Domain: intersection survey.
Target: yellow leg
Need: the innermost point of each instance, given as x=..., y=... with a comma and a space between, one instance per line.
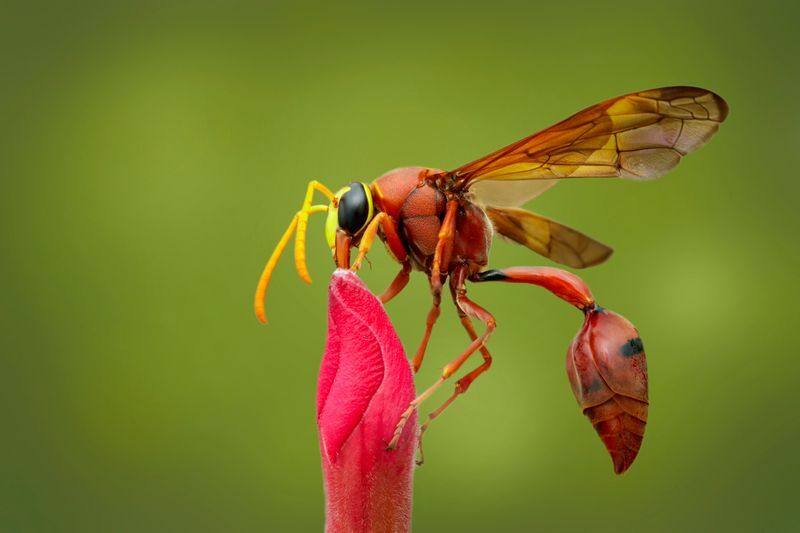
x=302, y=224
x=367, y=239
x=263, y=282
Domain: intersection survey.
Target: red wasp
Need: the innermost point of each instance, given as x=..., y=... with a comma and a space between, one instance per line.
x=442, y=223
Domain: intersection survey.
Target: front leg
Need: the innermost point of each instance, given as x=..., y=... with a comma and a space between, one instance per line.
x=398, y=284
x=397, y=249
x=370, y=232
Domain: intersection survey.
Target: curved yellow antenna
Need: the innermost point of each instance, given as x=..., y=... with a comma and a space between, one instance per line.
x=263, y=281
x=261, y=289
x=302, y=224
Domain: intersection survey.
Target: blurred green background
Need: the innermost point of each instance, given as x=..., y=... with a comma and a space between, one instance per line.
x=152, y=154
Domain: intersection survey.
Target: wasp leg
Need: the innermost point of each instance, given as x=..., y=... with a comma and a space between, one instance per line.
x=266, y=275
x=342, y=249
x=471, y=309
x=367, y=239
x=462, y=384
x=430, y=321
x=396, y=248
x=563, y=284
x=302, y=224
x=398, y=251
x=444, y=244
x=441, y=262
x=398, y=284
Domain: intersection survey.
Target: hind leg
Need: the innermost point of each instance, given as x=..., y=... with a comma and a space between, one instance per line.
x=563, y=284
x=462, y=384
x=470, y=309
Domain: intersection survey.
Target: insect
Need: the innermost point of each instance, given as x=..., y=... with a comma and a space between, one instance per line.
x=442, y=224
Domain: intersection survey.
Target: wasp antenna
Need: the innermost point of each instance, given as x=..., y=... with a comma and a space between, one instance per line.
x=302, y=224
x=299, y=222
x=300, y=240
x=261, y=289
x=300, y=249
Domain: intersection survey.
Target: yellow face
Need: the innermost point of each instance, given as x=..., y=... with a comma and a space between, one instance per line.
x=350, y=211
x=332, y=222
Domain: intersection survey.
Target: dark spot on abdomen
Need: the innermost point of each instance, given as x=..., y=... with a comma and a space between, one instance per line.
x=632, y=347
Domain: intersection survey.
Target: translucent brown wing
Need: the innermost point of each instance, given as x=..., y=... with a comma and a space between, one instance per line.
x=639, y=136
x=547, y=237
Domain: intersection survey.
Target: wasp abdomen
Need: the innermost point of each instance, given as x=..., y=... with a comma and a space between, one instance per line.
x=607, y=370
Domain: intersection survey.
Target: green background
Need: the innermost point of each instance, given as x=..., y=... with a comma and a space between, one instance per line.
x=151, y=156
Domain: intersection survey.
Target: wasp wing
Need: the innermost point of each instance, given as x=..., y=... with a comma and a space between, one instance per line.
x=547, y=237
x=638, y=136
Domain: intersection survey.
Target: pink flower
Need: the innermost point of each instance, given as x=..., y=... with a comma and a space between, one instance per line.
x=365, y=384
x=607, y=369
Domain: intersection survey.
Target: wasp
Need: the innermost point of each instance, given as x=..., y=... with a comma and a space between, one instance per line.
x=442, y=223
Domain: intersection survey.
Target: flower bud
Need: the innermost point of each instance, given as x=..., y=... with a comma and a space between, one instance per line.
x=365, y=384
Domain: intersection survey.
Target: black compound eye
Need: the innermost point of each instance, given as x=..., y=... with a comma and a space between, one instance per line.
x=354, y=208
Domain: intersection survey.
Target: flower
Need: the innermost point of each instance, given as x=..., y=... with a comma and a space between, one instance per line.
x=365, y=384
x=607, y=369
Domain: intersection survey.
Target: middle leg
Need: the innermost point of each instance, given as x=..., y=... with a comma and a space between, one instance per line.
x=440, y=265
x=430, y=321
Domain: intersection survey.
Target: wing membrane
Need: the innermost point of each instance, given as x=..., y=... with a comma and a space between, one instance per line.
x=548, y=238
x=637, y=136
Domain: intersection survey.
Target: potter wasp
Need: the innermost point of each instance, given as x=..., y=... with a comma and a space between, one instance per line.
x=442, y=224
